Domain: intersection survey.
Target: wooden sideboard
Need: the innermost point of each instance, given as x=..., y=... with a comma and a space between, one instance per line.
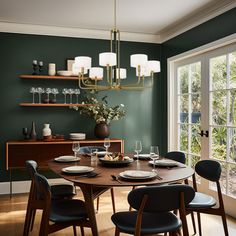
x=17, y=152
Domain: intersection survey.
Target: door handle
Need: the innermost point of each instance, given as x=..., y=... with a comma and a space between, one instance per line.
x=204, y=134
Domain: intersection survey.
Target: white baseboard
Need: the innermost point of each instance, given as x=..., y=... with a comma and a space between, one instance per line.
x=23, y=186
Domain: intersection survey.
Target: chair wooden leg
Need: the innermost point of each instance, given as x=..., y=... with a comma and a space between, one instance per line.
x=74, y=230
x=225, y=224
x=193, y=222
x=82, y=231
x=117, y=232
x=32, y=219
x=199, y=224
x=27, y=222
x=113, y=200
x=97, y=208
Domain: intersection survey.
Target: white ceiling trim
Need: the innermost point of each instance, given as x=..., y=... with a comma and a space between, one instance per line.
x=74, y=32
x=196, y=19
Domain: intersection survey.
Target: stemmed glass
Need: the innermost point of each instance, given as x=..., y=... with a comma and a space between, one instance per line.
x=75, y=148
x=55, y=92
x=65, y=92
x=71, y=92
x=40, y=91
x=154, y=155
x=33, y=91
x=107, y=144
x=138, y=148
x=77, y=92
x=48, y=91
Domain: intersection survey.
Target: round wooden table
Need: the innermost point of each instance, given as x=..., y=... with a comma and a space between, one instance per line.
x=93, y=187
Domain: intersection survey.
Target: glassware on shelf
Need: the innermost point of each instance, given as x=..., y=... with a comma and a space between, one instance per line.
x=138, y=148
x=48, y=91
x=33, y=91
x=40, y=91
x=71, y=92
x=75, y=148
x=40, y=67
x=55, y=92
x=35, y=67
x=77, y=93
x=65, y=92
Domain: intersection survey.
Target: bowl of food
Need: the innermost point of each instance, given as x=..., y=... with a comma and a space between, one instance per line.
x=116, y=159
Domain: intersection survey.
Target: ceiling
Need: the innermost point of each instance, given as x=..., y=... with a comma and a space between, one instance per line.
x=159, y=19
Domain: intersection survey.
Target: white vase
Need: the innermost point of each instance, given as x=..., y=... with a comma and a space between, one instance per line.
x=52, y=69
x=46, y=130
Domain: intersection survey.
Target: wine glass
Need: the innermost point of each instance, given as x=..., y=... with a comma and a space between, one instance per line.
x=75, y=148
x=138, y=148
x=55, y=92
x=48, y=91
x=33, y=91
x=154, y=155
x=77, y=92
x=65, y=92
x=71, y=92
x=40, y=91
x=25, y=133
x=107, y=144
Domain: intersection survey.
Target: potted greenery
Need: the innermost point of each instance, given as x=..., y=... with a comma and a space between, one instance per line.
x=102, y=113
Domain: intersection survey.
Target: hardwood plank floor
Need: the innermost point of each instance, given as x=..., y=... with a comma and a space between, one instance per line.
x=12, y=216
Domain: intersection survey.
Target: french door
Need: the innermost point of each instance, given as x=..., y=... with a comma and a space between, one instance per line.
x=205, y=113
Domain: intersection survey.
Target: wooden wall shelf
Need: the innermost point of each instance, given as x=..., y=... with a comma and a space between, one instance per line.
x=53, y=105
x=49, y=77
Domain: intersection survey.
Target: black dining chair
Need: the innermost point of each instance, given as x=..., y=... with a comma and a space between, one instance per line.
x=203, y=203
x=88, y=150
x=153, y=206
x=58, y=214
x=58, y=191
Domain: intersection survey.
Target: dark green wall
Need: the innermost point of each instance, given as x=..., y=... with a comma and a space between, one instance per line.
x=214, y=29
x=17, y=52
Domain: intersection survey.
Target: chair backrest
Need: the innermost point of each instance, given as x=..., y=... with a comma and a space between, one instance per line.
x=31, y=167
x=208, y=169
x=43, y=188
x=161, y=198
x=88, y=149
x=176, y=156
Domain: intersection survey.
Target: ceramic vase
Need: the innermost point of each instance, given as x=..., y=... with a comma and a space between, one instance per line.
x=47, y=132
x=33, y=134
x=102, y=130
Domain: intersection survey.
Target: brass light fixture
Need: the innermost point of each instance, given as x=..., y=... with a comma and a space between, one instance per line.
x=114, y=74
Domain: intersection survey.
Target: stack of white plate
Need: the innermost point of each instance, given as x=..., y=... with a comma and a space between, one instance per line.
x=77, y=136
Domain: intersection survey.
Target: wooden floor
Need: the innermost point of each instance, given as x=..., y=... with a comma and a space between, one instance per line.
x=12, y=215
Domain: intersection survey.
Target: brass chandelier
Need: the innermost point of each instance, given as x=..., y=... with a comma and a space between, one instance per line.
x=115, y=75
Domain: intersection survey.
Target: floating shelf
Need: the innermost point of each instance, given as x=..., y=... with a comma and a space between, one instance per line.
x=49, y=77
x=53, y=105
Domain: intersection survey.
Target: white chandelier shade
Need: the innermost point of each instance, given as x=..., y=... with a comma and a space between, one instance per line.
x=107, y=59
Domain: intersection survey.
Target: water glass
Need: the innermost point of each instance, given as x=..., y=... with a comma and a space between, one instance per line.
x=138, y=148
x=107, y=144
x=154, y=155
x=75, y=148
x=94, y=157
x=65, y=92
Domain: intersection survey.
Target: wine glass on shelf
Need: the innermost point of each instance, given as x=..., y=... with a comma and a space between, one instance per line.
x=65, y=92
x=48, y=91
x=25, y=133
x=33, y=91
x=107, y=144
x=55, y=92
x=75, y=148
x=154, y=155
x=40, y=91
x=138, y=148
x=77, y=93
x=71, y=92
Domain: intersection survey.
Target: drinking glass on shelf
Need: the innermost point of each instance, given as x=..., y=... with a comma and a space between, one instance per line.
x=107, y=144
x=48, y=91
x=75, y=148
x=71, y=92
x=154, y=155
x=65, y=92
x=55, y=92
x=33, y=91
x=138, y=148
x=40, y=91
x=77, y=93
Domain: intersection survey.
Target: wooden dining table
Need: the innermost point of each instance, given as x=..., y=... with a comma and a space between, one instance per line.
x=93, y=187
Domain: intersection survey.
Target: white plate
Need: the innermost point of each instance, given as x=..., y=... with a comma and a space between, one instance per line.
x=77, y=169
x=138, y=174
x=67, y=158
x=167, y=163
x=143, y=156
x=103, y=153
x=77, y=134
x=77, y=138
x=65, y=72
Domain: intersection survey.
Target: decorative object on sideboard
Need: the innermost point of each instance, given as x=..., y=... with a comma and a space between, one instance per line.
x=115, y=75
x=47, y=132
x=25, y=132
x=51, y=69
x=33, y=134
x=102, y=113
